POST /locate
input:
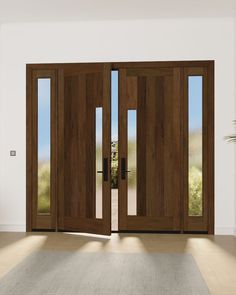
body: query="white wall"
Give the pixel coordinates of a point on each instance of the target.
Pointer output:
(234, 131)
(187, 39)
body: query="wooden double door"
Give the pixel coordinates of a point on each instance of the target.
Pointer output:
(155, 97)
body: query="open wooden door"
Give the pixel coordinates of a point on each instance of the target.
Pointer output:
(84, 148)
(150, 172)
(165, 154)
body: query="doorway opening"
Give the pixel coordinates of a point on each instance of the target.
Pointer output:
(114, 150)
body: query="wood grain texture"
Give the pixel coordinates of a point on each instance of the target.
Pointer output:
(211, 148)
(123, 65)
(141, 147)
(106, 202)
(153, 198)
(29, 150)
(139, 82)
(90, 146)
(177, 138)
(131, 92)
(84, 90)
(158, 150)
(122, 152)
(60, 154)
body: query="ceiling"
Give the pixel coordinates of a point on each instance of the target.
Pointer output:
(72, 10)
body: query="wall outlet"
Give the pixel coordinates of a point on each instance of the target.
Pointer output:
(12, 153)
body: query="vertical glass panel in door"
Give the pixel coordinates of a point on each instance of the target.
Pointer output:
(132, 162)
(99, 168)
(195, 96)
(114, 149)
(44, 126)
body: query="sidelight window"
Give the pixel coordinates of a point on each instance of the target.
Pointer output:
(44, 101)
(195, 96)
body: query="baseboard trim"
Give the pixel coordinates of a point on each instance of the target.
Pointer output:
(225, 231)
(12, 228)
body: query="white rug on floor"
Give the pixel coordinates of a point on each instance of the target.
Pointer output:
(74, 273)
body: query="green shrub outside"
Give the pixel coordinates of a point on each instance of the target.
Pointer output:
(195, 186)
(44, 188)
(195, 191)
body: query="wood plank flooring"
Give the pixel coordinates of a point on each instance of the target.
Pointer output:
(214, 255)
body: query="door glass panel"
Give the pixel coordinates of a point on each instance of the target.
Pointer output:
(195, 91)
(114, 149)
(44, 100)
(99, 168)
(132, 162)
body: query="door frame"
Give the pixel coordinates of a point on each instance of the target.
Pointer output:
(50, 222)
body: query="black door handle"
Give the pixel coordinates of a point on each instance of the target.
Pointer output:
(123, 168)
(105, 169)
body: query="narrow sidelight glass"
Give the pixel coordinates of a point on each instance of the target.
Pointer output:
(99, 163)
(44, 141)
(132, 162)
(195, 97)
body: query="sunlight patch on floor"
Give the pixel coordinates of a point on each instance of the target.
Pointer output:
(9, 258)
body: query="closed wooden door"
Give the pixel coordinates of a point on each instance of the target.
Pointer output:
(150, 149)
(84, 148)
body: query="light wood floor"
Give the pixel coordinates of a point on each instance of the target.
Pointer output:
(214, 255)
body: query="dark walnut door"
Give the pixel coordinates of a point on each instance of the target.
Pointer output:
(149, 149)
(84, 148)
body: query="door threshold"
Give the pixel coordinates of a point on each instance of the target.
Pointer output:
(145, 232)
